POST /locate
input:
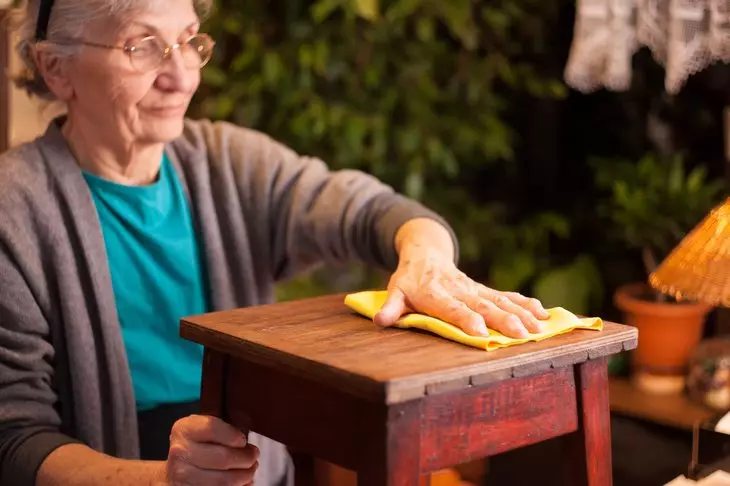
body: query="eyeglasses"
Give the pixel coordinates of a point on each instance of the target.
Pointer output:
(149, 53)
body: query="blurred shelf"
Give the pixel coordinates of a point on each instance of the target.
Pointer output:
(676, 411)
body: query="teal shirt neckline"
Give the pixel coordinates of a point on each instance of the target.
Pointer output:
(158, 276)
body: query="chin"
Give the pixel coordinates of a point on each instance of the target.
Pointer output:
(162, 131)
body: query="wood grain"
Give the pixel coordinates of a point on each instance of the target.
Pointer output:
(589, 449)
(392, 451)
(466, 425)
(213, 385)
(456, 427)
(325, 341)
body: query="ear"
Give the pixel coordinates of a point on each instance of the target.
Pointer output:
(54, 71)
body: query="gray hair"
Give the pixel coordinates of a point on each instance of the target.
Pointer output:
(68, 20)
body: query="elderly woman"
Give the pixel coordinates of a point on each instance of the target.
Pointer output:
(124, 216)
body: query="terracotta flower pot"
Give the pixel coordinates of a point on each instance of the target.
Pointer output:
(668, 334)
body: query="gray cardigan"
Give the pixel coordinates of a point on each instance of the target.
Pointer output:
(263, 213)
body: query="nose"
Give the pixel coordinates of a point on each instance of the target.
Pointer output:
(174, 76)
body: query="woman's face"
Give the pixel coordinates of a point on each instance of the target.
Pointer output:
(107, 92)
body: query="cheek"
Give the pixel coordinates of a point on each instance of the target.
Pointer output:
(115, 89)
(127, 92)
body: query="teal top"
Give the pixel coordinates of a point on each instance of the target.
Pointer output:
(157, 277)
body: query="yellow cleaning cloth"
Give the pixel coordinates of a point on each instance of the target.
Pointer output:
(368, 304)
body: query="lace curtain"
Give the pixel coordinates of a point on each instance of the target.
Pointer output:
(685, 36)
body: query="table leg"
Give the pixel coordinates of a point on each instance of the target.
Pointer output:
(393, 449)
(590, 446)
(305, 473)
(213, 390)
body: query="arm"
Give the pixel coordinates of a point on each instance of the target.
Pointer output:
(77, 465)
(341, 216)
(33, 451)
(312, 214)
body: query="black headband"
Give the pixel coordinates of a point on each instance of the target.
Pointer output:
(44, 15)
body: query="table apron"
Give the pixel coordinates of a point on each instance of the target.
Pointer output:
(460, 426)
(455, 427)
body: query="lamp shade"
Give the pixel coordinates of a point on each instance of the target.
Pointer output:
(698, 269)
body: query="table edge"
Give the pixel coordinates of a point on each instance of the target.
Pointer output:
(417, 386)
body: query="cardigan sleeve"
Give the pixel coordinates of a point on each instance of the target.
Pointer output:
(313, 214)
(29, 422)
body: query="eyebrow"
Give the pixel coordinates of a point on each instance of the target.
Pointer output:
(145, 25)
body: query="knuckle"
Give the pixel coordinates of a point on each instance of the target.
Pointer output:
(532, 302)
(501, 300)
(178, 427)
(177, 472)
(222, 457)
(485, 307)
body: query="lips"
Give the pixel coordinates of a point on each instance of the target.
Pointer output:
(166, 111)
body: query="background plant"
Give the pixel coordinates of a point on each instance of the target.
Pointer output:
(417, 92)
(654, 202)
(460, 104)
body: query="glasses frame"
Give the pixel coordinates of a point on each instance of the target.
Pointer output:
(129, 48)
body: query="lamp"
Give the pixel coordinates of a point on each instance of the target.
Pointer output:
(698, 268)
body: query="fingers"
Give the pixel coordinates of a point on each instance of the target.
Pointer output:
(187, 474)
(501, 320)
(213, 456)
(207, 450)
(203, 428)
(532, 305)
(393, 309)
(514, 318)
(441, 305)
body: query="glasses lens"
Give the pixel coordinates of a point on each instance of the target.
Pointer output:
(146, 54)
(198, 50)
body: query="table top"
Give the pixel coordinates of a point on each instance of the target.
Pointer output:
(323, 340)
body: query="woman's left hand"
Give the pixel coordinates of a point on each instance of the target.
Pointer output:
(429, 283)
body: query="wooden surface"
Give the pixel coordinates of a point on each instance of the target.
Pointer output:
(481, 422)
(398, 443)
(671, 410)
(323, 340)
(588, 458)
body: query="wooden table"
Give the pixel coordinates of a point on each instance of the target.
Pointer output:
(394, 405)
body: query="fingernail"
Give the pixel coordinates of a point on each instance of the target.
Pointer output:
(482, 328)
(538, 325)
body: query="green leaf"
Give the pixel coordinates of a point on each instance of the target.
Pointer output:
(511, 273)
(425, 29)
(272, 68)
(323, 9)
(575, 287)
(457, 14)
(214, 76)
(368, 9)
(414, 184)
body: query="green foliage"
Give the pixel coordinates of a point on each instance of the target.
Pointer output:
(576, 286)
(653, 203)
(525, 262)
(415, 92)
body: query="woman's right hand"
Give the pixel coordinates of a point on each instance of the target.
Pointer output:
(205, 450)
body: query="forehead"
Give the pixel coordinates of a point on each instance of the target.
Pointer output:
(167, 18)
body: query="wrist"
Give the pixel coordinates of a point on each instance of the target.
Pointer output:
(424, 237)
(158, 473)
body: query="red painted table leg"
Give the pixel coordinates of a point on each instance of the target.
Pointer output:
(590, 446)
(393, 457)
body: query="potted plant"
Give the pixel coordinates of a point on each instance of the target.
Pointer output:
(652, 204)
